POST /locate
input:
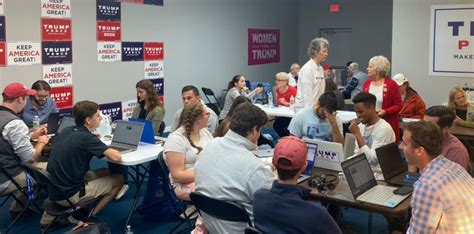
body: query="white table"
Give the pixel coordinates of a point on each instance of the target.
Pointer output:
(280, 111)
(346, 116)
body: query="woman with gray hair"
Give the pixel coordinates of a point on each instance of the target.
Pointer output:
(311, 77)
(284, 92)
(389, 102)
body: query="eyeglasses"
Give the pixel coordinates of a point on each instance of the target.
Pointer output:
(42, 96)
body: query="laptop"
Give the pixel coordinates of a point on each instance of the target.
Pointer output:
(311, 157)
(53, 123)
(148, 135)
(65, 122)
(126, 136)
(329, 155)
(349, 145)
(363, 185)
(393, 167)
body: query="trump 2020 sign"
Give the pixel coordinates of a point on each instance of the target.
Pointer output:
(452, 40)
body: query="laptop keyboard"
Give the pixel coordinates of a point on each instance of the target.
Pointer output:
(377, 195)
(118, 148)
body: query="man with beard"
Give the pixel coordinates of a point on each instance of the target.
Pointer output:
(40, 104)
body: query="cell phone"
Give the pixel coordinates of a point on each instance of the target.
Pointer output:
(404, 190)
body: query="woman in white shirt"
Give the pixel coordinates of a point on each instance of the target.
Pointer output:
(235, 88)
(183, 146)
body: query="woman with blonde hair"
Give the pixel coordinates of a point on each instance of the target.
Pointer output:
(458, 103)
(149, 105)
(184, 145)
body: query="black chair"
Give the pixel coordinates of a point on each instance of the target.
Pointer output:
(11, 195)
(215, 106)
(219, 209)
(161, 130)
(178, 206)
(43, 178)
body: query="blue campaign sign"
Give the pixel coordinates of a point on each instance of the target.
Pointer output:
(108, 10)
(159, 85)
(153, 2)
(114, 110)
(65, 112)
(132, 51)
(2, 28)
(56, 52)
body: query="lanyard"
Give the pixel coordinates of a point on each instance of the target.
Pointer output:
(29, 188)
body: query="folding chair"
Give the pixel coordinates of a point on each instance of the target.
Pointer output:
(20, 189)
(43, 178)
(219, 209)
(215, 106)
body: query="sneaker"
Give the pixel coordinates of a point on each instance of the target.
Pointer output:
(122, 192)
(190, 212)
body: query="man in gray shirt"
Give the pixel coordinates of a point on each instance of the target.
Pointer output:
(190, 94)
(15, 145)
(227, 169)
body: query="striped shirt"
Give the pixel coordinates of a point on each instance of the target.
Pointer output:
(443, 199)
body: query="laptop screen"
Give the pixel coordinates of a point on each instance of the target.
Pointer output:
(53, 122)
(128, 133)
(390, 161)
(66, 122)
(358, 174)
(312, 150)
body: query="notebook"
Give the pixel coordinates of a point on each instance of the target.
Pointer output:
(393, 167)
(126, 136)
(363, 185)
(311, 157)
(329, 155)
(148, 135)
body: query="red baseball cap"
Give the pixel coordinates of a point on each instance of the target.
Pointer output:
(326, 67)
(292, 149)
(15, 90)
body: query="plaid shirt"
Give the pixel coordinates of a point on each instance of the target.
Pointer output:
(443, 199)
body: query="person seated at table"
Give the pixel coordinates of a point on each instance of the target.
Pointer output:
(224, 125)
(331, 86)
(69, 161)
(15, 144)
(291, 216)
(453, 148)
(318, 121)
(293, 74)
(183, 146)
(413, 105)
(442, 200)
(459, 104)
(389, 101)
(284, 92)
(190, 95)
(235, 88)
(357, 79)
(369, 129)
(40, 104)
(149, 105)
(227, 169)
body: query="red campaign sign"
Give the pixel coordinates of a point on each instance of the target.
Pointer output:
(3, 54)
(62, 96)
(154, 51)
(56, 29)
(263, 46)
(109, 31)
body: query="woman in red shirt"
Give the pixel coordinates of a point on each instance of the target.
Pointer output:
(413, 105)
(389, 102)
(284, 92)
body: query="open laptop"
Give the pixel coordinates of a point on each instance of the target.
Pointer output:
(363, 185)
(148, 135)
(349, 145)
(311, 157)
(65, 122)
(53, 123)
(393, 168)
(329, 155)
(126, 136)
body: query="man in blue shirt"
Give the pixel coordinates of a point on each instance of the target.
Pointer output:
(39, 104)
(283, 208)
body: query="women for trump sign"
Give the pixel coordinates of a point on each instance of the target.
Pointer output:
(263, 46)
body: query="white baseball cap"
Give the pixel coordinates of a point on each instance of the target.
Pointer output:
(400, 79)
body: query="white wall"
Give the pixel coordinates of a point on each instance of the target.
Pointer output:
(410, 49)
(205, 45)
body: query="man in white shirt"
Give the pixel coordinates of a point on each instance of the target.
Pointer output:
(311, 82)
(190, 94)
(369, 129)
(227, 169)
(293, 74)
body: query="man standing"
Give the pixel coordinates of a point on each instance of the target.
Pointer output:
(311, 82)
(453, 148)
(291, 216)
(228, 170)
(319, 121)
(443, 196)
(15, 146)
(357, 80)
(293, 74)
(40, 104)
(369, 129)
(190, 94)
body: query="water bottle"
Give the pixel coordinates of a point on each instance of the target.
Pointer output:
(36, 121)
(270, 99)
(292, 102)
(129, 230)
